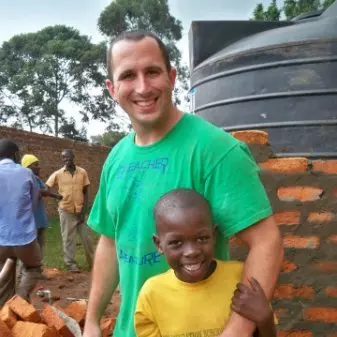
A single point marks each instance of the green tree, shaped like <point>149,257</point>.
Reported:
<point>39,71</point>
<point>69,130</point>
<point>152,15</point>
<point>110,138</point>
<point>290,8</point>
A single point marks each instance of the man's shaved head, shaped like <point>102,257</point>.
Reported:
<point>8,149</point>
<point>178,199</point>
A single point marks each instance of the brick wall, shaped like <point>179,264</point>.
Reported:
<point>303,194</point>
<point>48,149</point>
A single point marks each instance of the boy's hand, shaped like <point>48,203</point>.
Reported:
<point>251,302</point>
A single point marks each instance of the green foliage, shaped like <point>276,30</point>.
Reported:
<point>291,8</point>
<point>40,70</point>
<point>110,138</point>
<point>69,130</point>
<point>151,15</point>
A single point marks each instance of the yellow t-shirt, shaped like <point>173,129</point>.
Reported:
<point>168,307</point>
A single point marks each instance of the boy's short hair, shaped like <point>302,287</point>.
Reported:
<point>136,35</point>
<point>180,198</point>
<point>8,149</point>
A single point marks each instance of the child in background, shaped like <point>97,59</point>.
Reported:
<point>196,296</point>
<point>41,220</point>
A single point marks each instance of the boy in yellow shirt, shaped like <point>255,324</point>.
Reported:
<point>196,296</point>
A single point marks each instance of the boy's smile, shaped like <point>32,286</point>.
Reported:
<point>186,237</point>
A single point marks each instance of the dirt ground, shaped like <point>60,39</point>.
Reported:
<point>65,287</point>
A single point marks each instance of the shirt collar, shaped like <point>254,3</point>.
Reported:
<point>6,161</point>
<point>65,169</point>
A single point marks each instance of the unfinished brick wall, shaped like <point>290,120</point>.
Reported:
<point>303,194</point>
<point>48,149</point>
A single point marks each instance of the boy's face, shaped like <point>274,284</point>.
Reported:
<point>186,238</point>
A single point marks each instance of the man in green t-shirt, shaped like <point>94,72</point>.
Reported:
<point>168,150</point>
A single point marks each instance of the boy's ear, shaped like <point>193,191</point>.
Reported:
<point>156,241</point>
<point>215,231</point>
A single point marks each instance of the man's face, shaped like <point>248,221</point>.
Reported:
<point>186,238</point>
<point>35,167</point>
<point>67,158</point>
<point>141,83</point>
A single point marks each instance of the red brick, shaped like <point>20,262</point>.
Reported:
<point>326,266</point>
<point>107,325</point>
<point>286,165</point>
<point>288,266</point>
<point>8,316</point>
<point>52,319</point>
<point>301,242</point>
<point>288,218</point>
<point>23,309</point>
<point>326,315</point>
<point>4,330</point>
<point>251,137</point>
<point>325,166</point>
<point>289,291</point>
<point>294,333</point>
<point>331,292</point>
<point>321,217</point>
<point>77,310</point>
<point>299,193</point>
<point>332,239</point>
<point>29,329</point>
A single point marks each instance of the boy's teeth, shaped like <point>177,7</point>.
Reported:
<point>192,267</point>
<point>145,103</point>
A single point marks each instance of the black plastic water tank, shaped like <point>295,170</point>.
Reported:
<point>280,77</point>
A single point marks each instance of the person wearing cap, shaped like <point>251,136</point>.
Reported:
<point>41,220</point>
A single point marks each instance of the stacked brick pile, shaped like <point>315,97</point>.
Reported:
<point>18,318</point>
<point>303,193</point>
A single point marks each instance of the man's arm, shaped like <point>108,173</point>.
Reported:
<point>105,278</point>
<point>85,203</point>
<point>47,193</point>
<point>263,263</point>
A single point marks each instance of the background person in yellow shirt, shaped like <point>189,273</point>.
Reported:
<point>73,183</point>
<point>196,296</point>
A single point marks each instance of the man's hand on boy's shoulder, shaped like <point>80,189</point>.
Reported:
<point>251,303</point>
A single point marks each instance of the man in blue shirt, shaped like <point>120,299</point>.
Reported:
<point>18,198</point>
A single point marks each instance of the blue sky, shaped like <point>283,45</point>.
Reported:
<point>22,16</point>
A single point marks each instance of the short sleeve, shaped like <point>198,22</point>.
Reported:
<point>52,180</point>
<point>86,181</point>
<point>35,192</point>
<point>236,193</point>
<point>99,218</point>
<point>145,324</point>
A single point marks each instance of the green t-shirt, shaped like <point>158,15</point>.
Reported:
<point>194,154</point>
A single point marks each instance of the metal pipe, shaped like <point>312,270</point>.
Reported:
<point>6,270</point>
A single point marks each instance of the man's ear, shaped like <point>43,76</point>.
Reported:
<point>156,241</point>
<point>111,88</point>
